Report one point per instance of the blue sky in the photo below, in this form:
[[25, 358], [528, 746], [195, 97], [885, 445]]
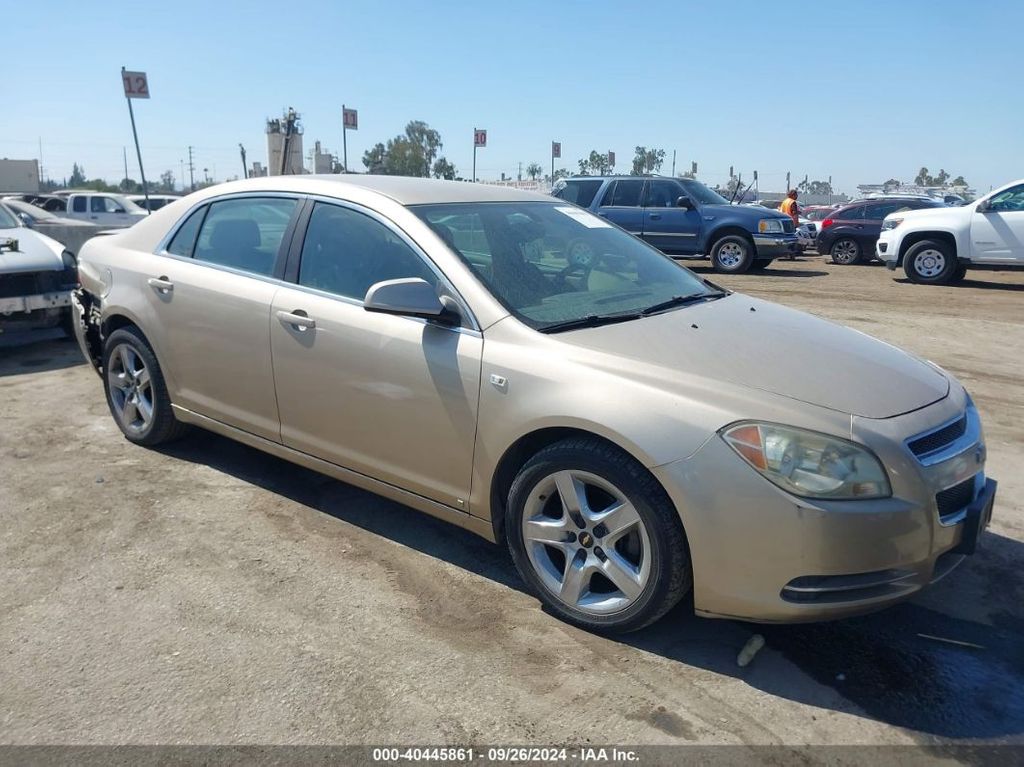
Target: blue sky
[[861, 91]]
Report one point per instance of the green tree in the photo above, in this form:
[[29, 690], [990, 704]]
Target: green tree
[[922, 177], [815, 187], [166, 181], [373, 158], [647, 160], [595, 165], [533, 170], [959, 181], [77, 176], [444, 169], [404, 157], [428, 140]]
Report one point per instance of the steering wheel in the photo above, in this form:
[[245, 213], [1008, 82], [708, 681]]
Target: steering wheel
[[581, 257]]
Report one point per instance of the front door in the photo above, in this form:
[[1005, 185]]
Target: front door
[[621, 204], [997, 233], [394, 398], [211, 297], [667, 226]]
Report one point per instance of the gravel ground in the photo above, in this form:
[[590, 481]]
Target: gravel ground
[[207, 593]]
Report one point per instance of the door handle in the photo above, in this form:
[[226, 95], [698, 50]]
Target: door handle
[[161, 284], [655, 217], [295, 319], [603, 215]]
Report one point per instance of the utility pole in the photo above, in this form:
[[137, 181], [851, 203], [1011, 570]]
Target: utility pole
[[289, 130], [787, 182], [673, 162], [191, 170], [124, 186], [520, 170], [181, 171], [245, 168]]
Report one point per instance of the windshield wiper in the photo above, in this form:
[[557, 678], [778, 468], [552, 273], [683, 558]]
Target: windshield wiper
[[590, 321], [676, 301]]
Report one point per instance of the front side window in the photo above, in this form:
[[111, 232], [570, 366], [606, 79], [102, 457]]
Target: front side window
[[245, 233], [550, 263], [78, 205], [855, 213], [1008, 201], [662, 194], [701, 193], [345, 252], [7, 221]]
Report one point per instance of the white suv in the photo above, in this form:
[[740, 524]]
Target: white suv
[[937, 245]]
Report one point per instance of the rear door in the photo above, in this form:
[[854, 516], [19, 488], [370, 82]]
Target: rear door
[[667, 226], [871, 226], [622, 204], [997, 233], [210, 293]]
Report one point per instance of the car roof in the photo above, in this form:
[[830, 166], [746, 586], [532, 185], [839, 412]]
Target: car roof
[[402, 189]]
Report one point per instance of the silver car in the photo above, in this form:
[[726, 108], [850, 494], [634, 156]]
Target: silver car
[[526, 370]]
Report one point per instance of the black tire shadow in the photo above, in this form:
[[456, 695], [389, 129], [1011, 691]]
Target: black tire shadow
[[970, 283], [877, 666], [769, 272]]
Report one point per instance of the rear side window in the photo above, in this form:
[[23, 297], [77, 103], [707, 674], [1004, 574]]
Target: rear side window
[[850, 214], [244, 234], [880, 210], [579, 192], [78, 206], [624, 193], [184, 239], [345, 252]]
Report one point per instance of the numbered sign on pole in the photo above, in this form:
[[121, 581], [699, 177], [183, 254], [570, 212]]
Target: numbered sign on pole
[[556, 148], [350, 119], [135, 85], [479, 137]]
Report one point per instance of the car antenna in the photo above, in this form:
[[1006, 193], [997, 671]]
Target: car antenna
[[737, 189]]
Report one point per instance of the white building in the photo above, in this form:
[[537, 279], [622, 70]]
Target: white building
[[19, 175]]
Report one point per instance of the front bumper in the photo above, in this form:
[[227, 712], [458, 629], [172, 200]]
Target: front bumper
[[761, 554], [24, 311], [887, 249], [775, 245]]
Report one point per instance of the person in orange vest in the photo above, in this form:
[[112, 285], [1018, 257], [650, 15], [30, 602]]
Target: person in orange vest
[[790, 208]]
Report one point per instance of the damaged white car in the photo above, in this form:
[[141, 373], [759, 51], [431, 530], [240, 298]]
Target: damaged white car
[[37, 276]]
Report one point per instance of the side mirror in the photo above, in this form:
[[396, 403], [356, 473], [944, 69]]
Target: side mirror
[[26, 219], [409, 297], [982, 206], [684, 203]]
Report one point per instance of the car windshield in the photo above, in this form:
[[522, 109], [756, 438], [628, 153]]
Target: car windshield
[[817, 215], [7, 219], [128, 205], [701, 193], [554, 265], [30, 210]]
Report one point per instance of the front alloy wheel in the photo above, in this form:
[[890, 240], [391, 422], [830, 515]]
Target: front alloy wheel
[[131, 389], [595, 536], [586, 542], [845, 252]]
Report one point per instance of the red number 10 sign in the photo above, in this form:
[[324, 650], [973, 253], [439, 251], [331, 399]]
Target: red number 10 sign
[[480, 138]]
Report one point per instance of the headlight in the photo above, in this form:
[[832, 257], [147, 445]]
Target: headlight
[[807, 463], [770, 225], [891, 223]]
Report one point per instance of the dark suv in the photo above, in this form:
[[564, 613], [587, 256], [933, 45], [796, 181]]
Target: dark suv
[[682, 217], [850, 233]]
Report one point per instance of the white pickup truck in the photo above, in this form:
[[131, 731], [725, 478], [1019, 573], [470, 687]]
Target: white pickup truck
[[936, 246], [105, 209]]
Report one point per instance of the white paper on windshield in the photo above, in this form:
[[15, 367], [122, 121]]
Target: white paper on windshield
[[588, 220]]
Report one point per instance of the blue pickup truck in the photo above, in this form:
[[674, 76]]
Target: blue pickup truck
[[682, 217]]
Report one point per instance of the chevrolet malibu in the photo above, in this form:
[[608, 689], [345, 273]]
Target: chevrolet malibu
[[528, 371]]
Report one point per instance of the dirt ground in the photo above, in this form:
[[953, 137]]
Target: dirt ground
[[207, 593]]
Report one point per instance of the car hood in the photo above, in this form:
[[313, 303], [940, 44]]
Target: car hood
[[36, 252], [751, 213], [68, 222], [922, 213], [744, 341]]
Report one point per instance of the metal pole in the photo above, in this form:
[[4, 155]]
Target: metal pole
[[245, 169], [673, 162], [474, 155], [191, 172], [124, 153], [138, 152], [344, 140]]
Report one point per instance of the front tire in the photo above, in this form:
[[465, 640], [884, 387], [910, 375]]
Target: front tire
[[732, 254], [846, 251], [596, 538], [136, 392], [930, 262]]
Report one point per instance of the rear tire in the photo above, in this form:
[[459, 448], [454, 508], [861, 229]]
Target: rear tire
[[959, 274], [612, 557], [732, 254], [760, 264], [846, 251], [930, 262], [136, 392]]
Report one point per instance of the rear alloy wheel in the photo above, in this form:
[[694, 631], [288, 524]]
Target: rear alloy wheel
[[732, 254], [595, 537], [930, 262], [845, 251], [136, 392]]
